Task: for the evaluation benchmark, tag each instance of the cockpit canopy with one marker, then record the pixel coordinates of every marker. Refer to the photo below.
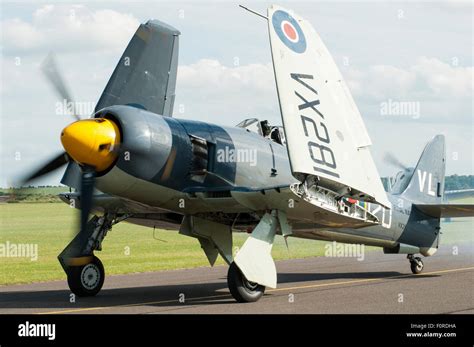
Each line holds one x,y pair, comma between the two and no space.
275,133
251,124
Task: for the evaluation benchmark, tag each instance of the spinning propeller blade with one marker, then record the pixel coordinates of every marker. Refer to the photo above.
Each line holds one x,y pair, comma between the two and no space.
50,166
49,67
391,159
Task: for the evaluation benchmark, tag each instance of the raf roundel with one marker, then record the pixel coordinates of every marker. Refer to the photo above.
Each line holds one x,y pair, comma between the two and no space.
289,31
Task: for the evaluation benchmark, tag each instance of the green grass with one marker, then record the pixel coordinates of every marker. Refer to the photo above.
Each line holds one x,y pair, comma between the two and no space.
51,227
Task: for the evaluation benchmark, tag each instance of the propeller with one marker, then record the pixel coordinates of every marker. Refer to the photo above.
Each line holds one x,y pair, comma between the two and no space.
88,175
391,159
49,67
51,165
50,70
86,190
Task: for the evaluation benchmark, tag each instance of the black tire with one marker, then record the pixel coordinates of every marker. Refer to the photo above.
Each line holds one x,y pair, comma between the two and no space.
86,280
416,266
241,289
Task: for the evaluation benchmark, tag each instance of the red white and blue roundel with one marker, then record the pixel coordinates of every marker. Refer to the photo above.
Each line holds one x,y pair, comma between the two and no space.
289,31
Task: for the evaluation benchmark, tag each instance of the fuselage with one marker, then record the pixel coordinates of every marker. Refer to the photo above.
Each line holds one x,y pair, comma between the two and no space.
191,167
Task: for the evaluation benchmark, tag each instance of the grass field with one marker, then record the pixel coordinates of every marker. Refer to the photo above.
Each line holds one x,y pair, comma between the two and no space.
129,248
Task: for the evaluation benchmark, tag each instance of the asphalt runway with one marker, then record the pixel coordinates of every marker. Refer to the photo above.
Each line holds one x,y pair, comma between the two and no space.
378,284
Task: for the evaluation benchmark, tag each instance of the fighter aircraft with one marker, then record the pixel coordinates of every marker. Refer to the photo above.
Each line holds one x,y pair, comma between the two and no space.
312,178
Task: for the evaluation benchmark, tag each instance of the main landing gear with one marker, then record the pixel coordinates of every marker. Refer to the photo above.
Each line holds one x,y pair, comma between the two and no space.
241,289
253,267
416,264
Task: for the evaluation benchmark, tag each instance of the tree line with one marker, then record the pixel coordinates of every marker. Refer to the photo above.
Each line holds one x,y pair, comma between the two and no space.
456,182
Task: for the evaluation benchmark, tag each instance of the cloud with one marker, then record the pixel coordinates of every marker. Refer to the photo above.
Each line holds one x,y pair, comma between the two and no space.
441,91
68,28
209,90
427,79
20,35
214,75
442,79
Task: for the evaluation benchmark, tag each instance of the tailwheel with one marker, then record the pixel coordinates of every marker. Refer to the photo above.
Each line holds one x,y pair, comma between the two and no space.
87,279
241,289
416,264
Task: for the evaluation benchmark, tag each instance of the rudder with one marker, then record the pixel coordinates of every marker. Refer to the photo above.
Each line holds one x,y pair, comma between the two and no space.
427,182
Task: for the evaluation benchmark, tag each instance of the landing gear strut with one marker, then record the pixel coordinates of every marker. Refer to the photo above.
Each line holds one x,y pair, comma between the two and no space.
241,289
85,272
253,267
416,264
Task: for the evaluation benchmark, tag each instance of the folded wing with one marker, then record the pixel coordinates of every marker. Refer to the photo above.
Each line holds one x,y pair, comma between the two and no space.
325,133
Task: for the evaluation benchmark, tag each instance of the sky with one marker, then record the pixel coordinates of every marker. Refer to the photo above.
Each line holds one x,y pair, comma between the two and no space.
417,54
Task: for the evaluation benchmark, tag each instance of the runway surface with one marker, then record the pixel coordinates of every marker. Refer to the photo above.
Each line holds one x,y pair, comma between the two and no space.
378,284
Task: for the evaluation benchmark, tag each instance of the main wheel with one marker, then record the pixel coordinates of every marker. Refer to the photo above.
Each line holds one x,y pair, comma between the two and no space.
416,265
241,289
86,280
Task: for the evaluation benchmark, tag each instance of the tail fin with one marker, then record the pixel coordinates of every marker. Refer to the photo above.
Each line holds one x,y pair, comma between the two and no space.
145,76
427,183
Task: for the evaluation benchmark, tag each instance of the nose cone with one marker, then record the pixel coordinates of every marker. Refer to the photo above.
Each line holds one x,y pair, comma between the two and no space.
92,142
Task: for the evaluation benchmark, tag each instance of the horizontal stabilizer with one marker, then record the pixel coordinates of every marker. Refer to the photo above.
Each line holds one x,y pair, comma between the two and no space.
325,134
447,210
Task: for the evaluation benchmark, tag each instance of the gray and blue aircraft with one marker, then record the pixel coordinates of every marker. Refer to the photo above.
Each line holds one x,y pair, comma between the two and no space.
312,178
